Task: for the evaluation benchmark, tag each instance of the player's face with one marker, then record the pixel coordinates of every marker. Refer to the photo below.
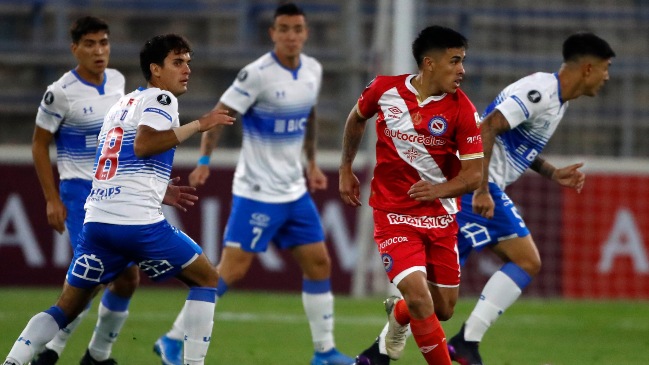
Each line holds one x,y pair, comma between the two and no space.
289,32
174,75
92,53
596,75
447,69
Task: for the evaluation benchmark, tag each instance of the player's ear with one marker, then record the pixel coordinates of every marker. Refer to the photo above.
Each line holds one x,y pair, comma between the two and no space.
155,69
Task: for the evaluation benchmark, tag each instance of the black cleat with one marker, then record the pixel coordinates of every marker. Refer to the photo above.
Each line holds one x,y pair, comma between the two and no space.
46,357
372,356
462,351
88,360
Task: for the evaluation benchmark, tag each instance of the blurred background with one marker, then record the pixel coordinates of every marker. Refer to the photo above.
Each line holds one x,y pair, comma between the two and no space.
596,237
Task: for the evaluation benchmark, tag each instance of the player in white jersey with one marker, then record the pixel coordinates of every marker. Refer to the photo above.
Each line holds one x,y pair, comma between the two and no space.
71,113
515,128
275,95
124,221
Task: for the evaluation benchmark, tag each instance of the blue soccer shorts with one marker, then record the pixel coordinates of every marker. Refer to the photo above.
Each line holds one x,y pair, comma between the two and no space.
476,231
73,194
253,224
105,250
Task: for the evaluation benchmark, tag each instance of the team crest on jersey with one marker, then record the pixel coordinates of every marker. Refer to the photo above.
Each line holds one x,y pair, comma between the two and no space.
164,99
437,125
48,98
534,96
242,75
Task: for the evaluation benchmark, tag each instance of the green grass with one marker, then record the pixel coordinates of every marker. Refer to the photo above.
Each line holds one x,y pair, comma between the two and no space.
270,328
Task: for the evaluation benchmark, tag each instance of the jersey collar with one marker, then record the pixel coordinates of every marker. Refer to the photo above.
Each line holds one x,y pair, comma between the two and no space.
293,71
99,88
414,91
556,75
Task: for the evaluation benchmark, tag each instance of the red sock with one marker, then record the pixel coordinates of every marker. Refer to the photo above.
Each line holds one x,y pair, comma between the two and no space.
431,339
401,313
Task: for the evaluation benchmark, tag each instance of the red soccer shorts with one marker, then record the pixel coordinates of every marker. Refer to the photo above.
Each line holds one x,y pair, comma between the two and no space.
418,243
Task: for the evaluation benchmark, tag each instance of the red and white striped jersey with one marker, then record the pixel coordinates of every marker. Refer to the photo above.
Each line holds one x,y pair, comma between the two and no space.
417,140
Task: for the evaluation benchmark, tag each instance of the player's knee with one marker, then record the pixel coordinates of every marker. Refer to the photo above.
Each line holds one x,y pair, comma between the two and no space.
531,265
444,310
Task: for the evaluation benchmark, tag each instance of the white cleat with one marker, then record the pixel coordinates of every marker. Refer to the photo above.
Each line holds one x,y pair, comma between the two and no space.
395,338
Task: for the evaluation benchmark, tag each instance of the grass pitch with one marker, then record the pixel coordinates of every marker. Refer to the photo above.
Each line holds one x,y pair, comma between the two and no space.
270,328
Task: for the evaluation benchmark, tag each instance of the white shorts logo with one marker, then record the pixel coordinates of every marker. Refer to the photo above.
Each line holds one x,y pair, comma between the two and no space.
88,267
441,221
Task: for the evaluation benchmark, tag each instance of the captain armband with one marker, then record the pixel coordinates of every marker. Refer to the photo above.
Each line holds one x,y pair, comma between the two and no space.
187,130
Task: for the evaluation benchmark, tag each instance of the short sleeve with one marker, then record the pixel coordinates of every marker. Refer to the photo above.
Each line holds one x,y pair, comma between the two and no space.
525,102
244,90
160,112
53,109
368,101
469,141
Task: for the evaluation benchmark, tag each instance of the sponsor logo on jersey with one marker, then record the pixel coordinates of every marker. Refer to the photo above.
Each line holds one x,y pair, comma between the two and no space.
474,139
441,221
164,99
388,262
48,98
242,75
289,125
534,96
87,110
392,240
437,125
414,138
259,219
98,194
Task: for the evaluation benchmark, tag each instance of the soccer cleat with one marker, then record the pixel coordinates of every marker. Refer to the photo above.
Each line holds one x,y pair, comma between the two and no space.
395,338
88,360
169,350
46,357
463,351
372,356
331,357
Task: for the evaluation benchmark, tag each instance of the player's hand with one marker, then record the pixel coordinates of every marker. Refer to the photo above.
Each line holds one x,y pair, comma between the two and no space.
316,178
570,176
179,196
483,203
213,118
423,191
56,214
199,175
349,188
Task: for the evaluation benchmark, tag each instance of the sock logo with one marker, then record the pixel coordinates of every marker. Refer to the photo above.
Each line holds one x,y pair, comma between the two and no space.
26,341
427,349
207,339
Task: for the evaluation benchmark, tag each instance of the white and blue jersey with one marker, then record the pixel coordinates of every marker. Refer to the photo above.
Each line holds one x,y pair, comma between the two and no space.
126,189
533,108
275,103
124,221
73,110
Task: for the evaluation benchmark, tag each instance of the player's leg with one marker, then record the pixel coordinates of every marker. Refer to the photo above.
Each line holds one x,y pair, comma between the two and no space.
302,234
112,314
73,194
43,326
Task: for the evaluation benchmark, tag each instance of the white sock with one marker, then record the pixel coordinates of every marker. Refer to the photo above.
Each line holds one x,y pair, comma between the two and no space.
177,331
108,326
198,321
319,309
498,294
61,339
39,330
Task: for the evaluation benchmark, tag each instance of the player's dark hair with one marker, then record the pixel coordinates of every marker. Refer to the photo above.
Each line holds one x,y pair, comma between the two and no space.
85,25
156,49
436,37
288,9
586,44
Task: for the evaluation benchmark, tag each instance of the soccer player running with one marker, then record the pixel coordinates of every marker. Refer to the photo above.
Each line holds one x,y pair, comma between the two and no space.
275,95
124,221
71,113
515,128
428,152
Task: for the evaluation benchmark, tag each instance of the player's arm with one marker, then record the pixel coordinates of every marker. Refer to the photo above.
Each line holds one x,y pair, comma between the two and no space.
568,176
492,125
150,141
466,181
56,212
349,186
209,141
316,178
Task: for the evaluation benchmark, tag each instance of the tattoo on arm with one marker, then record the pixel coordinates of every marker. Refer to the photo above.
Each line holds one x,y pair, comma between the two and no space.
310,136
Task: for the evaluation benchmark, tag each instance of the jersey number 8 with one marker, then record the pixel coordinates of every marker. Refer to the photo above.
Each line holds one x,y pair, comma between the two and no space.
109,159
